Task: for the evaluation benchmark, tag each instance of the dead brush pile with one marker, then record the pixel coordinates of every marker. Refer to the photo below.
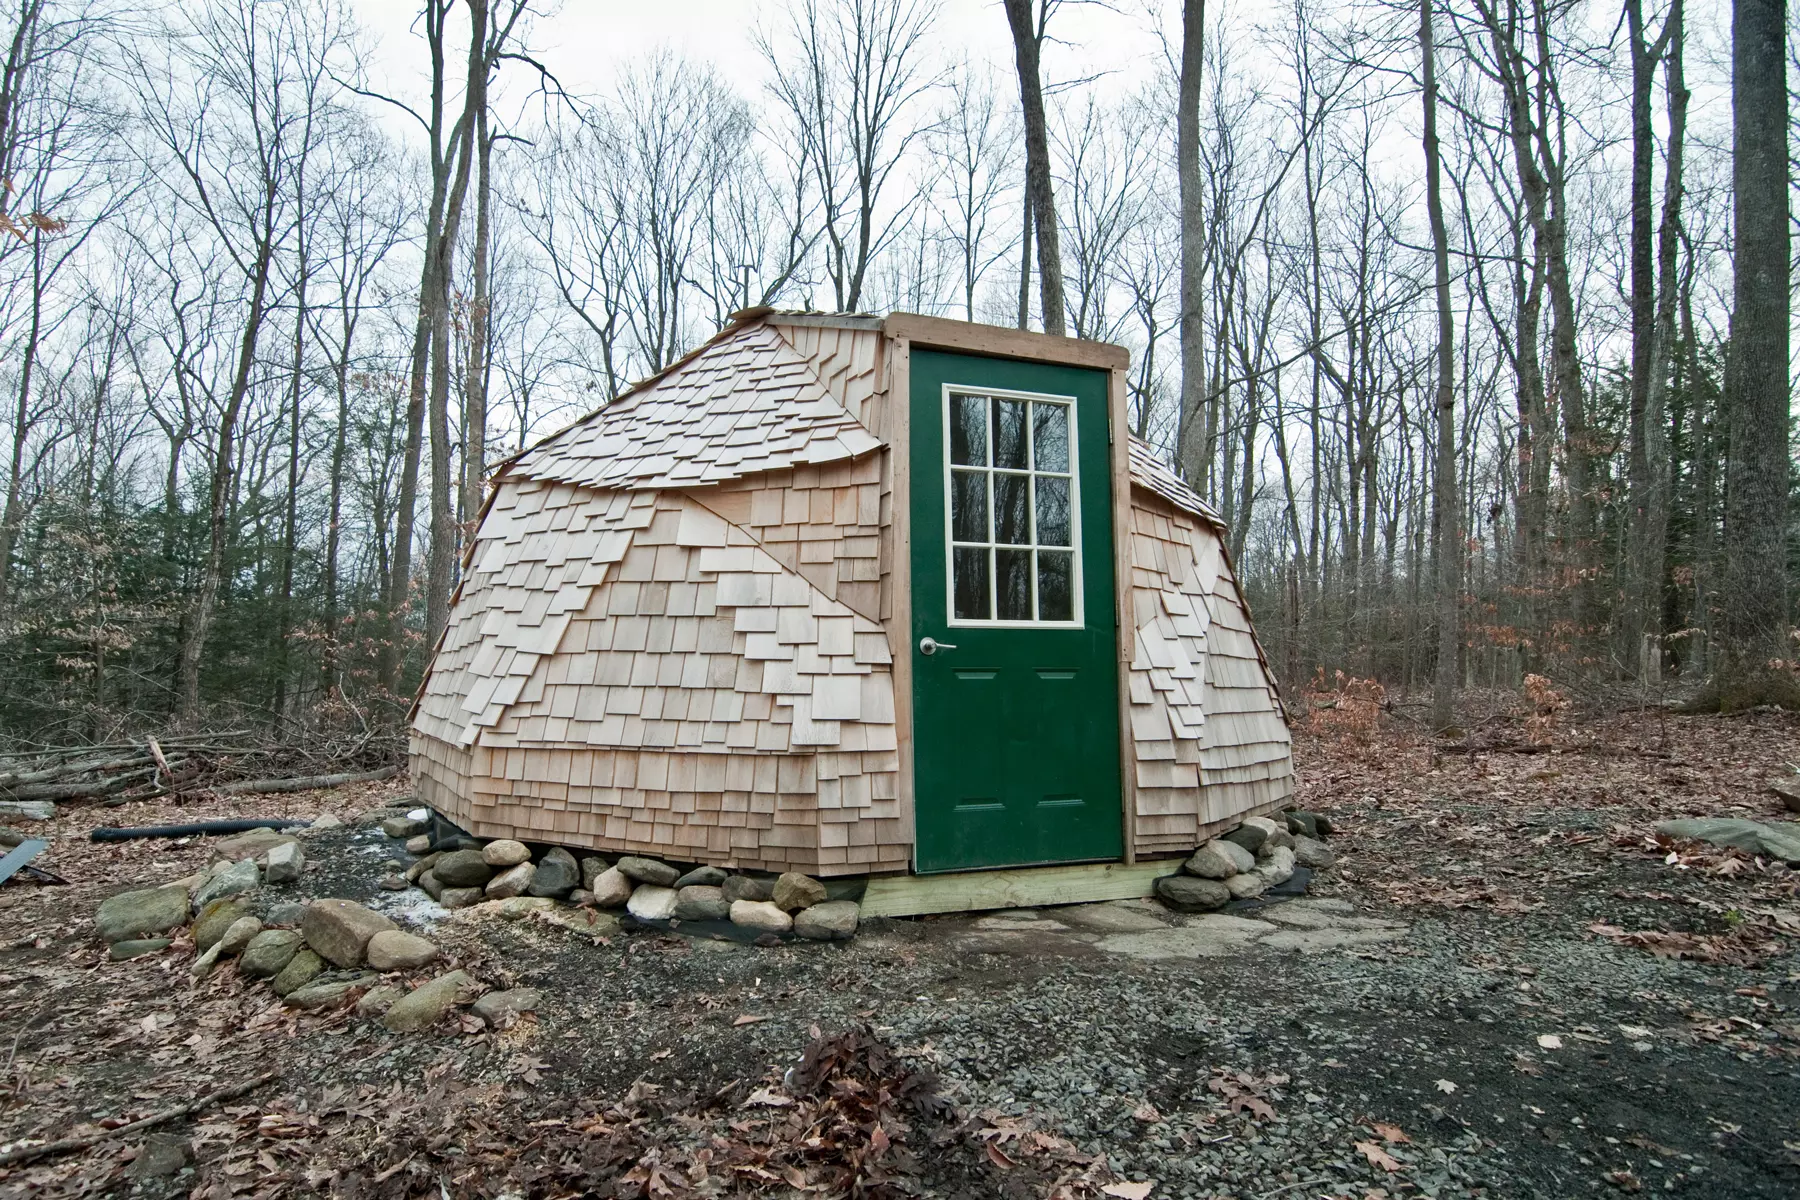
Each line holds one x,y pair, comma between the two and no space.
852,1119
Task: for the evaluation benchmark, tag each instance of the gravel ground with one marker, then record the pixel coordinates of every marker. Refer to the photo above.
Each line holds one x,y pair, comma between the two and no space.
1496,1047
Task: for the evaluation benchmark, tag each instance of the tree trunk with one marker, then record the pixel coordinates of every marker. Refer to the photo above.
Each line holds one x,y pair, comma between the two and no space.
1193,236
1446,544
1752,599
1028,39
475,380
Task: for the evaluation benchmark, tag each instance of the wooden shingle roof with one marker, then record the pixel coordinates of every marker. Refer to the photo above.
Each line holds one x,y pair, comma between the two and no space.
745,403
1149,471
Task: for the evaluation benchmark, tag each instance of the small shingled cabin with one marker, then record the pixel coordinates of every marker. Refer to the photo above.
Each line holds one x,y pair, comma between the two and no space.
852,595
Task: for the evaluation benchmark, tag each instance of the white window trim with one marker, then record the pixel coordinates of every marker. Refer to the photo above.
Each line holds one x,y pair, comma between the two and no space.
945,468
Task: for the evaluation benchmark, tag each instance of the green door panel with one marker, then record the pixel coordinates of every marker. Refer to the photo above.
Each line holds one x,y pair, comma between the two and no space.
1016,729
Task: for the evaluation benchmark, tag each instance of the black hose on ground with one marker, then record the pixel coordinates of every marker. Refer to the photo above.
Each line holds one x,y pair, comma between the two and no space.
236,825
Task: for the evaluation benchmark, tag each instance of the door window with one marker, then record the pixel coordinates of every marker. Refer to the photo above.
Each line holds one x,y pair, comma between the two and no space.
1012,509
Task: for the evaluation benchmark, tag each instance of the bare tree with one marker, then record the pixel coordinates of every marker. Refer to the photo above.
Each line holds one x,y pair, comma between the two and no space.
1445,537
977,146
847,76
1028,27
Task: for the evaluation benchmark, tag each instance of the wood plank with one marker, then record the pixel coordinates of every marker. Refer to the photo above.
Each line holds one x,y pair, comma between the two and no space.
1124,617
899,629
1000,342
1023,887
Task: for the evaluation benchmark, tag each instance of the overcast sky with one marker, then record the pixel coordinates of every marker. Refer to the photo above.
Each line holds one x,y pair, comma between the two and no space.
585,41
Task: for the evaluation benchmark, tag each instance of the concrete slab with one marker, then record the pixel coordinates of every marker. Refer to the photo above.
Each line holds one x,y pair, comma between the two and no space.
1210,935
1316,941
1116,916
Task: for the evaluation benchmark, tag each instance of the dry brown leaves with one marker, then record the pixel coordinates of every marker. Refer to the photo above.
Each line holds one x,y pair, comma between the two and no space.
1747,944
1247,1093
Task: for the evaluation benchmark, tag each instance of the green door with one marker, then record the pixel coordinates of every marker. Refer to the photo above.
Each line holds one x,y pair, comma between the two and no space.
1015,672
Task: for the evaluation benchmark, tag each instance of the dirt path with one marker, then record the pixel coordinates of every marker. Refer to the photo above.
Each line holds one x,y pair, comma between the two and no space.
1440,1019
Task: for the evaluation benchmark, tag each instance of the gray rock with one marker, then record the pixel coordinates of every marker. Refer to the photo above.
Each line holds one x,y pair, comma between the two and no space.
1190,893
1275,834
519,907
1245,887
397,950
1277,867
1310,852
1241,859
340,930
392,883
1771,839
239,936
203,965
431,885
701,902
10,837
161,1156
760,914
268,953
1208,863
301,969
611,888
137,948
327,821
28,810
511,882
701,877
497,1007
578,897
592,867
794,891
214,920
462,868
287,912
286,862
234,880
652,902
461,897
324,994
748,887
832,920
425,1004
1247,836
557,874
142,913
377,1000
647,870
1302,823
505,852
1326,829
252,843
404,826
420,844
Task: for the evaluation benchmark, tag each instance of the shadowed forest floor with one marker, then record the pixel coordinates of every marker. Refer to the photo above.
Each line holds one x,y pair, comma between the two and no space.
1551,1003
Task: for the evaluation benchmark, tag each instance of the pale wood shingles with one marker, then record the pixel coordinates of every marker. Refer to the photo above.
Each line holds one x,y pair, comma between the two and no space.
670,638
1210,738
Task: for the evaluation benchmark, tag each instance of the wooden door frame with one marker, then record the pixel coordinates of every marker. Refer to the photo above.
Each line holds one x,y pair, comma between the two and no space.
907,330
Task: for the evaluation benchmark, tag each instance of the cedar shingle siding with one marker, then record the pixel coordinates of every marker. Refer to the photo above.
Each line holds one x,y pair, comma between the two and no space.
673,638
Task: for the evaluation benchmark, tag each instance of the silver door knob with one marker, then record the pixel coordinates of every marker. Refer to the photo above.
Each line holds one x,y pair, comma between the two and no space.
929,646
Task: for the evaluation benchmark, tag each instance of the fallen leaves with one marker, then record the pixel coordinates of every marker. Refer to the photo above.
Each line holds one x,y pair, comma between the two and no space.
748,1019
1446,1086
1245,1093
1129,1190
1746,944
1391,1134
1377,1156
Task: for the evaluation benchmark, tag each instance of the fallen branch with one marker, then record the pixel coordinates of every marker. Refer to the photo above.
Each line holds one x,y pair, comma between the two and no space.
29,1153
305,784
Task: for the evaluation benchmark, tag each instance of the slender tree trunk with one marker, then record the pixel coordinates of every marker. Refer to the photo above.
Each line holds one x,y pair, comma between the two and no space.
1445,540
290,523
1025,260
219,504
1193,237
1028,37
475,382
1752,598
14,513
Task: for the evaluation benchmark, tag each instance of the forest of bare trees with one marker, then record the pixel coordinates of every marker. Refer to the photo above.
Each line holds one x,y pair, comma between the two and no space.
1471,317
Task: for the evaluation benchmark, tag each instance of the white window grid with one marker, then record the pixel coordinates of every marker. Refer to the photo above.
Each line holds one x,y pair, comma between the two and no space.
951,545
